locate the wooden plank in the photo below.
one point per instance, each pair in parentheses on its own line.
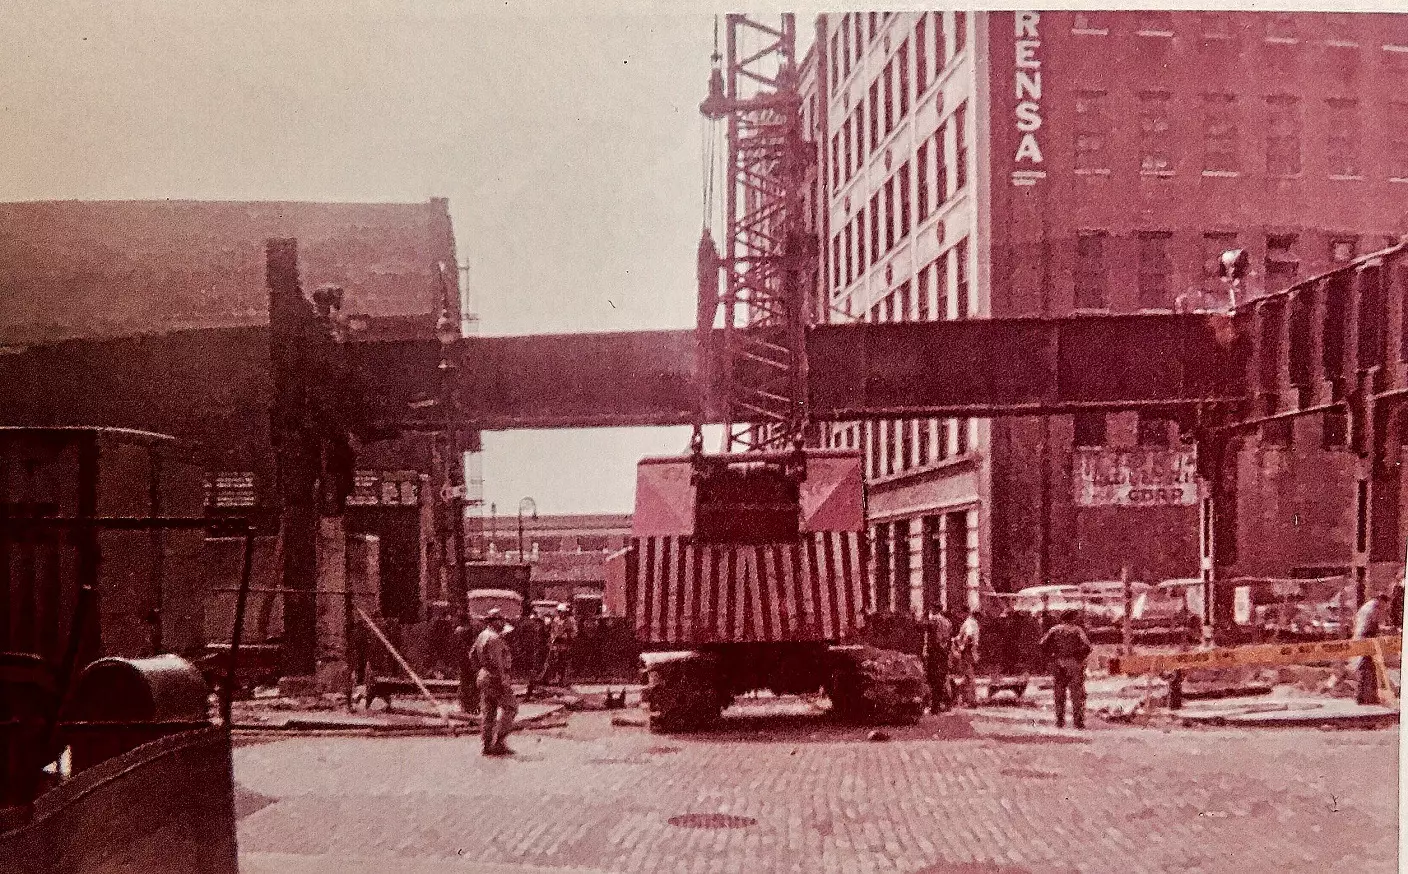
(1260,654)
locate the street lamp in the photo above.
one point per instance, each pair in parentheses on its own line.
(526,502)
(447,331)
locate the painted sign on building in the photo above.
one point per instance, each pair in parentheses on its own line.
(1135,478)
(1027,162)
(392,488)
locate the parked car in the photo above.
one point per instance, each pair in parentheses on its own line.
(1051,599)
(1165,605)
(508,602)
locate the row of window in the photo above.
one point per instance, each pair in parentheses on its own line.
(894,446)
(1155,431)
(946,548)
(1276,27)
(1221,135)
(932,52)
(1155,279)
(902,203)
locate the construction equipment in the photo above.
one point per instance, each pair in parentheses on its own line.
(748,570)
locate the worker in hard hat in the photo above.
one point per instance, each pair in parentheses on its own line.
(498,708)
(562,636)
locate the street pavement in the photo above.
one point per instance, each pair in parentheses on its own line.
(780,789)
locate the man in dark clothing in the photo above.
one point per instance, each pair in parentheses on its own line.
(1066,648)
(938,644)
(563,634)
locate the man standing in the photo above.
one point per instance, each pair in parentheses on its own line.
(938,642)
(967,647)
(497,707)
(1367,623)
(564,633)
(1066,648)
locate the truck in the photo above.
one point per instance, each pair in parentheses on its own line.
(749,572)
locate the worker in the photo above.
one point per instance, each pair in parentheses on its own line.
(967,648)
(938,645)
(562,635)
(497,707)
(1367,624)
(1066,648)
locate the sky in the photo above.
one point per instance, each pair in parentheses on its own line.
(570,150)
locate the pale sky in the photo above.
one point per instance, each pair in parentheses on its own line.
(569,149)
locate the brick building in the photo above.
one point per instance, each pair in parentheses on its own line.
(567,553)
(152,315)
(977,165)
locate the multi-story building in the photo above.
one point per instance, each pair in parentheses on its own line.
(978,165)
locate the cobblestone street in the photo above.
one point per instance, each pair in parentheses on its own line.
(793,793)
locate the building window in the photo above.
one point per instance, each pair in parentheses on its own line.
(906,444)
(1155,269)
(940,168)
(906,302)
(921,56)
(1342,148)
(1216,25)
(861,253)
(904,183)
(941,287)
(887,85)
(1091,22)
(890,214)
(1090,429)
(875,227)
(889,307)
(1397,140)
(940,439)
(835,160)
(1154,146)
(872,448)
(921,159)
(874,116)
(923,296)
(846,141)
(960,145)
(874,24)
(850,269)
(1155,23)
(836,59)
(940,42)
(1283,136)
(845,49)
(1282,265)
(960,32)
(1091,291)
(836,262)
(889,447)
(925,426)
(1219,133)
(1214,244)
(1343,249)
(859,28)
(1092,129)
(904,78)
(1153,430)
(961,273)
(960,445)
(861,151)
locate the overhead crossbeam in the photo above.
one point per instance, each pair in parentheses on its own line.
(863,371)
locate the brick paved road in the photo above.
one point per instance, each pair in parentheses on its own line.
(946,797)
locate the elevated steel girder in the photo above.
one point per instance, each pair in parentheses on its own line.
(863,371)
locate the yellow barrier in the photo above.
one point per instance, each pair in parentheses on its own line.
(1259,654)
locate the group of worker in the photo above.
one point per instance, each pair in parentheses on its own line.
(951,662)
(489,662)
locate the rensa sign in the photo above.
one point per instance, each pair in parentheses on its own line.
(1026,163)
(1135,478)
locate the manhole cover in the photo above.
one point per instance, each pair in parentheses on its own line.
(712,820)
(1029,773)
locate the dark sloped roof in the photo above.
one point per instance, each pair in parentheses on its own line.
(72,269)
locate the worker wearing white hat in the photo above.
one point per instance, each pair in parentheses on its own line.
(498,708)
